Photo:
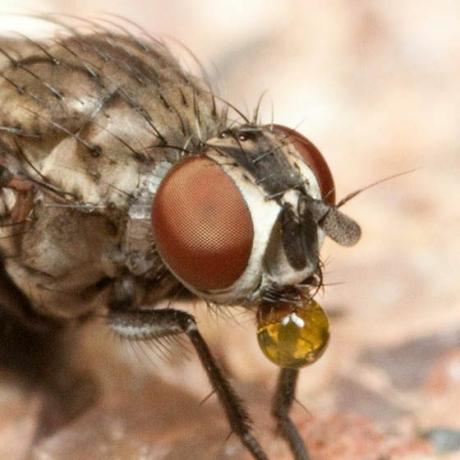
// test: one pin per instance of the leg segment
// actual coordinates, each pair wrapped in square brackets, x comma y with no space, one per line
[282,403]
[152,324]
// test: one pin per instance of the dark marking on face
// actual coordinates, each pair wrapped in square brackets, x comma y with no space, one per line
[293,239]
[257,152]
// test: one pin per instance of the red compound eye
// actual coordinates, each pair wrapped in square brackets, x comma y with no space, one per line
[314,159]
[201,224]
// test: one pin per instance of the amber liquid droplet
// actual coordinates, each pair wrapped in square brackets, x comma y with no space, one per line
[292,336]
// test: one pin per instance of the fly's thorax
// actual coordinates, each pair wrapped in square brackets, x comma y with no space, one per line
[67,255]
[91,115]
[59,257]
[66,250]
[91,121]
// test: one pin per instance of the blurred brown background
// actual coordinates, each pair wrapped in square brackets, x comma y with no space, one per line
[376,85]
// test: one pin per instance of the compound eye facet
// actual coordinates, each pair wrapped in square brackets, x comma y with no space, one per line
[201,224]
[313,158]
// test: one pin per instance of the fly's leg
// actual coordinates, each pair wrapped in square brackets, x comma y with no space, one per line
[149,325]
[282,403]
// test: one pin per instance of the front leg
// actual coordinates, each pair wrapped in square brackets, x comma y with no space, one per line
[282,403]
[144,325]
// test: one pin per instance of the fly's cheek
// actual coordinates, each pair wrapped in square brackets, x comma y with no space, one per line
[314,160]
[201,224]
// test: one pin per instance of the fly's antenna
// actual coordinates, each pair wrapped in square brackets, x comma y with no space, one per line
[352,195]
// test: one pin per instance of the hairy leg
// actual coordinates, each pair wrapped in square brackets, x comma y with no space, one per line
[153,324]
[282,403]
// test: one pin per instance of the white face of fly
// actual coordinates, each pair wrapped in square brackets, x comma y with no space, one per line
[244,219]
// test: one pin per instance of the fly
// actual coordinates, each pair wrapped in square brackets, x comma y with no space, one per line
[124,184]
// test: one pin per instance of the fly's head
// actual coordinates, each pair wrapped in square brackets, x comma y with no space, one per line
[242,222]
